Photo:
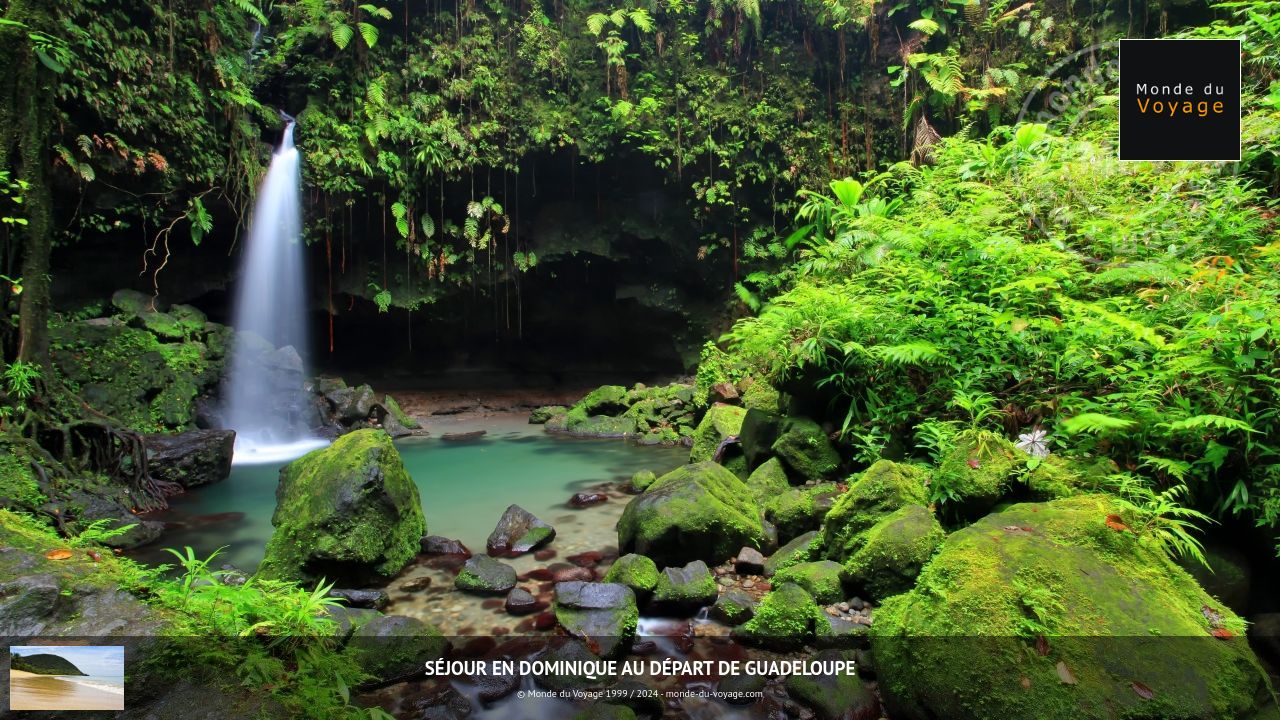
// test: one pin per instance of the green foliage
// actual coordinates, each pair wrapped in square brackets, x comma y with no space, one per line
[97,532]
[1034,280]
[1160,518]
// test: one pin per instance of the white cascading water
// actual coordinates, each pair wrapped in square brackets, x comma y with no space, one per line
[264,398]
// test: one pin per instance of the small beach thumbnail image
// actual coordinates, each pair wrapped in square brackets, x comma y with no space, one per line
[66,677]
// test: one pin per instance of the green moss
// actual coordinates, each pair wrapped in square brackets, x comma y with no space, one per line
[695,512]
[894,550]
[642,479]
[635,571]
[720,422]
[824,580]
[784,619]
[601,711]
[692,585]
[881,489]
[394,646]
[768,480]
[542,414]
[834,696]
[399,414]
[1115,611]
[977,472]
[801,549]
[799,510]
[18,487]
[759,395]
[350,507]
[806,450]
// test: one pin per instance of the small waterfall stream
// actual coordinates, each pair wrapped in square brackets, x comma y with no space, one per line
[264,397]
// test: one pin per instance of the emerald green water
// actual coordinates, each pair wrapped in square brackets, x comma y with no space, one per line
[464,486]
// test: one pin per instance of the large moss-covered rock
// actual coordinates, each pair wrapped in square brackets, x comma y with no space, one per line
[604,615]
[147,381]
[345,513]
[1126,632]
[720,423]
[824,580]
[978,471]
[894,550]
[695,512]
[806,450]
[783,620]
[883,488]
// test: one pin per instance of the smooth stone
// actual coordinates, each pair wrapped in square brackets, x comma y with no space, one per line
[750,561]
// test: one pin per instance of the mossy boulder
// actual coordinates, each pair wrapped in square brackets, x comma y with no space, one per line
[541,415]
[1057,477]
[719,423]
[734,607]
[394,646]
[132,302]
[758,434]
[1228,576]
[833,696]
[824,580]
[768,481]
[805,450]
[880,490]
[759,395]
[604,400]
[800,549]
[798,510]
[685,589]
[603,615]
[783,620]
[894,550]
[393,408]
[598,426]
[978,471]
[484,575]
[1046,610]
[636,572]
[347,512]
[695,512]
[642,479]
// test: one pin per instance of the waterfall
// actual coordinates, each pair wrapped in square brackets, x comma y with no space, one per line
[264,398]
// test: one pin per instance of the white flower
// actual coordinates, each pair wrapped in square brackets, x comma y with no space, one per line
[1033,443]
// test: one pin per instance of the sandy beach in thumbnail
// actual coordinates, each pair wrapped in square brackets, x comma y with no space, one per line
[28,691]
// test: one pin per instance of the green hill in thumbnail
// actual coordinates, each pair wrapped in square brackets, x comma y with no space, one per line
[45,664]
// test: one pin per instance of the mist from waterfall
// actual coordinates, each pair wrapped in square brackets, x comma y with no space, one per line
[264,397]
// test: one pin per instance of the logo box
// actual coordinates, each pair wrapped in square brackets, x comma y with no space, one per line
[1180,100]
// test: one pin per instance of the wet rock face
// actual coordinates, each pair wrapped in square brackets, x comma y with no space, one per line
[521,602]
[482,574]
[604,615]
[440,545]
[190,459]
[349,513]
[518,532]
